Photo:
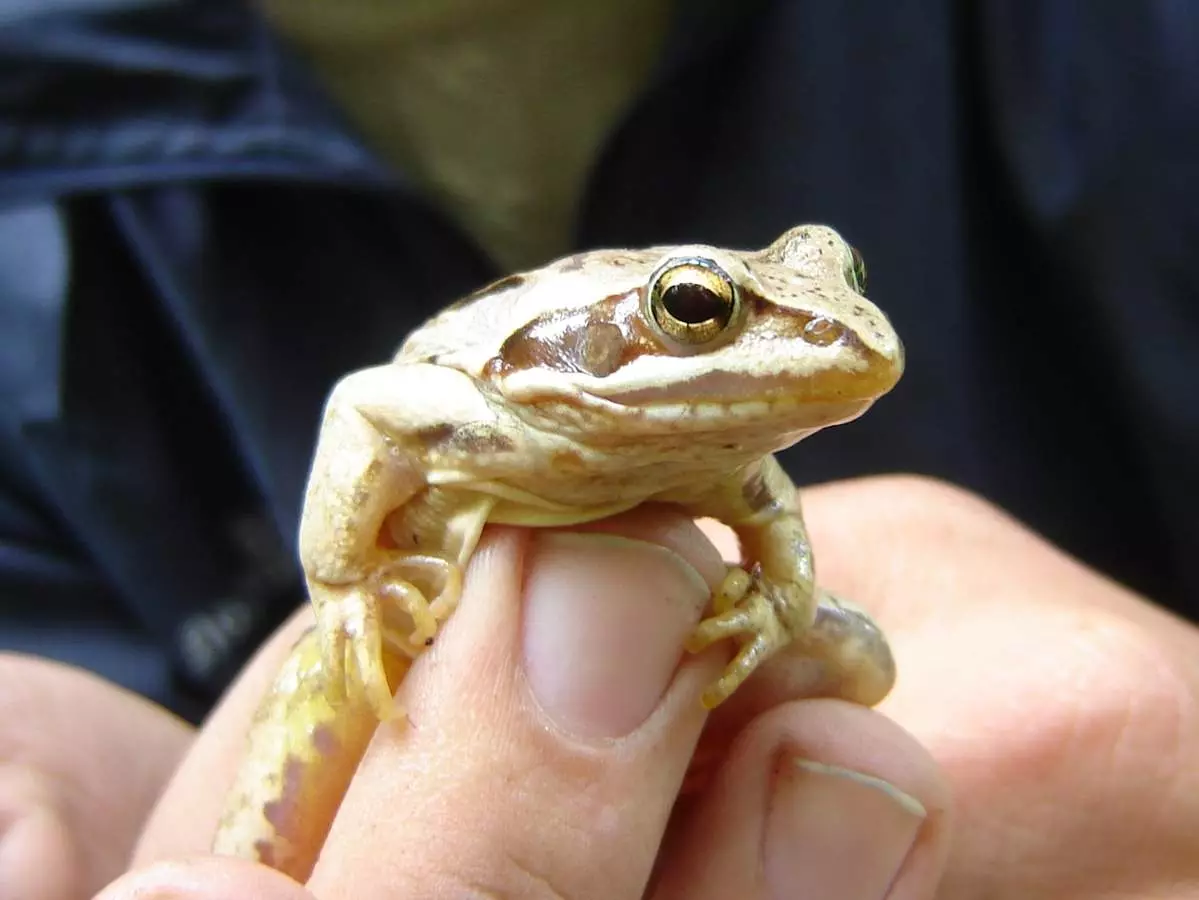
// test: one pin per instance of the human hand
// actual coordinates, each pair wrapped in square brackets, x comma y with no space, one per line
[82,763]
[547,743]
[1063,708]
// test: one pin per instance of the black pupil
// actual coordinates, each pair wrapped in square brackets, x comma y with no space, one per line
[693,303]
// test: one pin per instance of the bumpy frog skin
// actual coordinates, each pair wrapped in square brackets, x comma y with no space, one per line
[603,381]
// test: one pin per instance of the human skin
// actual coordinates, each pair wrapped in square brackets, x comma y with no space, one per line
[1060,707]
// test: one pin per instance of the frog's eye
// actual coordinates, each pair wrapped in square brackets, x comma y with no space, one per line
[855,272]
[693,301]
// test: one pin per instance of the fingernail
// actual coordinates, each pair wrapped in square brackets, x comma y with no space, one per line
[833,832]
[604,624]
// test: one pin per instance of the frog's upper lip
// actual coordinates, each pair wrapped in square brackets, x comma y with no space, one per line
[829,386]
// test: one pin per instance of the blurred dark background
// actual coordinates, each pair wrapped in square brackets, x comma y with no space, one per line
[210,210]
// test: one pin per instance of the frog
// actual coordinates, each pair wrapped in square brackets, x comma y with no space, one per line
[603,381]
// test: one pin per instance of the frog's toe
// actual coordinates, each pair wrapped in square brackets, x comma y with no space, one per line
[411,601]
[441,580]
[372,676]
[748,658]
[730,623]
[733,588]
[353,648]
[755,617]
[752,615]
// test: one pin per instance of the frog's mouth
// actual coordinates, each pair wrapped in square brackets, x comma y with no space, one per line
[766,421]
[691,395]
[785,413]
[869,382]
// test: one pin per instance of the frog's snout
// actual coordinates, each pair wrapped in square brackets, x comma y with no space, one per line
[884,368]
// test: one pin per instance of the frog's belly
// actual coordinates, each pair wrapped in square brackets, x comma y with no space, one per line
[507,512]
[565,496]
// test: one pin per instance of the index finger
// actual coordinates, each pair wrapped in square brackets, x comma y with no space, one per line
[649,597]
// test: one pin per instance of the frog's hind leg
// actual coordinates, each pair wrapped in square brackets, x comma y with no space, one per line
[303,748]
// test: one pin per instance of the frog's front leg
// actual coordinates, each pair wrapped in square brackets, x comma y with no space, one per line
[379,589]
[774,602]
[382,542]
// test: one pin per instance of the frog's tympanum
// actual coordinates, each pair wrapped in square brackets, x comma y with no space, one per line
[603,381]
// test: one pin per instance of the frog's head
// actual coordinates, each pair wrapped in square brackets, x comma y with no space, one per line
[697,339]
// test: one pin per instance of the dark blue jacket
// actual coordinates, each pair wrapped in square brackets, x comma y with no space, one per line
[194,245]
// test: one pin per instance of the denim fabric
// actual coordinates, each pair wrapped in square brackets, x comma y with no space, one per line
[194,244]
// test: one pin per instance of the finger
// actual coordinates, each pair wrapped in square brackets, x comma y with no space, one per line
[1051,683]
[71,809]
[819,798]
[473,709]
[184,819]
[550,726]
[204,878]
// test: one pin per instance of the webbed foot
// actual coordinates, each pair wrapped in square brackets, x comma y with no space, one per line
[743,608]
[854,658]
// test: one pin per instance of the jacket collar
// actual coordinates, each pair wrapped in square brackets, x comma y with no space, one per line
[106,94]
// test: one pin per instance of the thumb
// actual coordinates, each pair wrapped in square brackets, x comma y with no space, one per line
[816,798]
